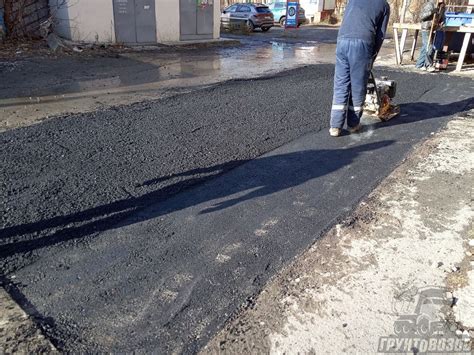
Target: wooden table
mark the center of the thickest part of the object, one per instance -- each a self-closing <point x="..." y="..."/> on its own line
<point x="468" y="31"/>
<point x="400" y="44"/>
<point x="405" y="27"/>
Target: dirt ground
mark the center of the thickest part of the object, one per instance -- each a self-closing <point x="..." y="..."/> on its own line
<point x="18" y="332"/>
<point x="346" y="293"/>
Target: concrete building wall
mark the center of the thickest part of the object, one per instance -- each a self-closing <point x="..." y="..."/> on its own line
<point x="61" y="19"/>
<point x="318" y="10"/>
<point x="329" y="5"/>
<point x="84" y="20"/>
<point x="167" y="20"/>
<point x="93" y="20"/>
<point x="217" y="20"/>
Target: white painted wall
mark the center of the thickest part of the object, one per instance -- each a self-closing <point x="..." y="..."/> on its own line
<point x="314" y="8"/>
<point x="217" y="19"/>
<point x="167" y="20"/>
<point x="93" y="20"/>
<point x="84" y="20"/>
<point x="311" y="7"/>
<point x="329" y="4"/>
<point x="61" y="16"/>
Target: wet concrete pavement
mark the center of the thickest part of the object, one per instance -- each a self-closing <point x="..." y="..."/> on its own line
<point x="83" y="83"/>
<point x="148" y="226"/>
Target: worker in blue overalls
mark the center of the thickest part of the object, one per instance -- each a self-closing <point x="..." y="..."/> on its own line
<point x="360" y="38"/>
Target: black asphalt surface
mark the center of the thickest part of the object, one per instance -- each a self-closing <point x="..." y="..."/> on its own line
<point x="147" y="227"/>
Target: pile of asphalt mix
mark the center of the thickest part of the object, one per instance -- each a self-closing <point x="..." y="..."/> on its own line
<point x="65" y="181"/>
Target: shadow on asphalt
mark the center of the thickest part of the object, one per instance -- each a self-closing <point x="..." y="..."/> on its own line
<point x="260" y="177"/>
<point x="420" y="111"/>
<point x="272" y="174"/>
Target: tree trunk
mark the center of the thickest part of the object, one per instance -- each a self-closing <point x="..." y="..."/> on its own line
<point x="13" y="17"/>
<point x="8" y="15"/>
<point x="404" y="11"/>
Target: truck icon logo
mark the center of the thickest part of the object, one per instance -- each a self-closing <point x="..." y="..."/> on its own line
<point x="420" y="327"/>
<point x="426" y="319"/>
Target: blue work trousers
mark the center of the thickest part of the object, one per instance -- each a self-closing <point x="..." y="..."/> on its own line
<point x="353" y="64"/>
<point x="426" y="56"/>
<point x="424" y="59"/>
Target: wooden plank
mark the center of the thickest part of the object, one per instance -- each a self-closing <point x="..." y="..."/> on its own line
<point x="408" y="26"/>
<point x="402" y="43"/>
<point x="450" y="29"/>
<point x="397" y="46"/>
<point x="462" y="55"/>
<point x="466" y="29"/>
<point x="413" y="46"/>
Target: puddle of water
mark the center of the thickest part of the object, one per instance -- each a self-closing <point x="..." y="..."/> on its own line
<point x="144" y="75"/>
<point x="185" y="68"/>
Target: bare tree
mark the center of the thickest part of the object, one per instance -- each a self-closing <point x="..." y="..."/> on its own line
<point x="13" y="15"/>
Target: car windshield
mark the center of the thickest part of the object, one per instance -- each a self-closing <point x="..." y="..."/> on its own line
<point x="262" y="9"/>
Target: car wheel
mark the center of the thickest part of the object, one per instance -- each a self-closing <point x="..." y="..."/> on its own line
<point x="265" y="29"/>
<point x="282" y="21"/>
<point x="250" y="26"/>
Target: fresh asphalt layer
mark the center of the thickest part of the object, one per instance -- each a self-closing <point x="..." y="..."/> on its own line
<point x="146" y="227"/>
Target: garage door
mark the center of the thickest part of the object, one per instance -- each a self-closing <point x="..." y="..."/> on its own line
<point x="196" y="19"/>
<point x="135" y="21"/>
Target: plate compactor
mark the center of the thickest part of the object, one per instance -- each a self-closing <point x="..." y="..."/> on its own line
<point x="378" y="101"/>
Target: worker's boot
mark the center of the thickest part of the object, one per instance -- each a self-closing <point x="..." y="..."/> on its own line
<point x="335" y="132"/>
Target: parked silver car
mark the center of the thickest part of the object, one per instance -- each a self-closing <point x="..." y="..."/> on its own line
<point x="250" y="15"/>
